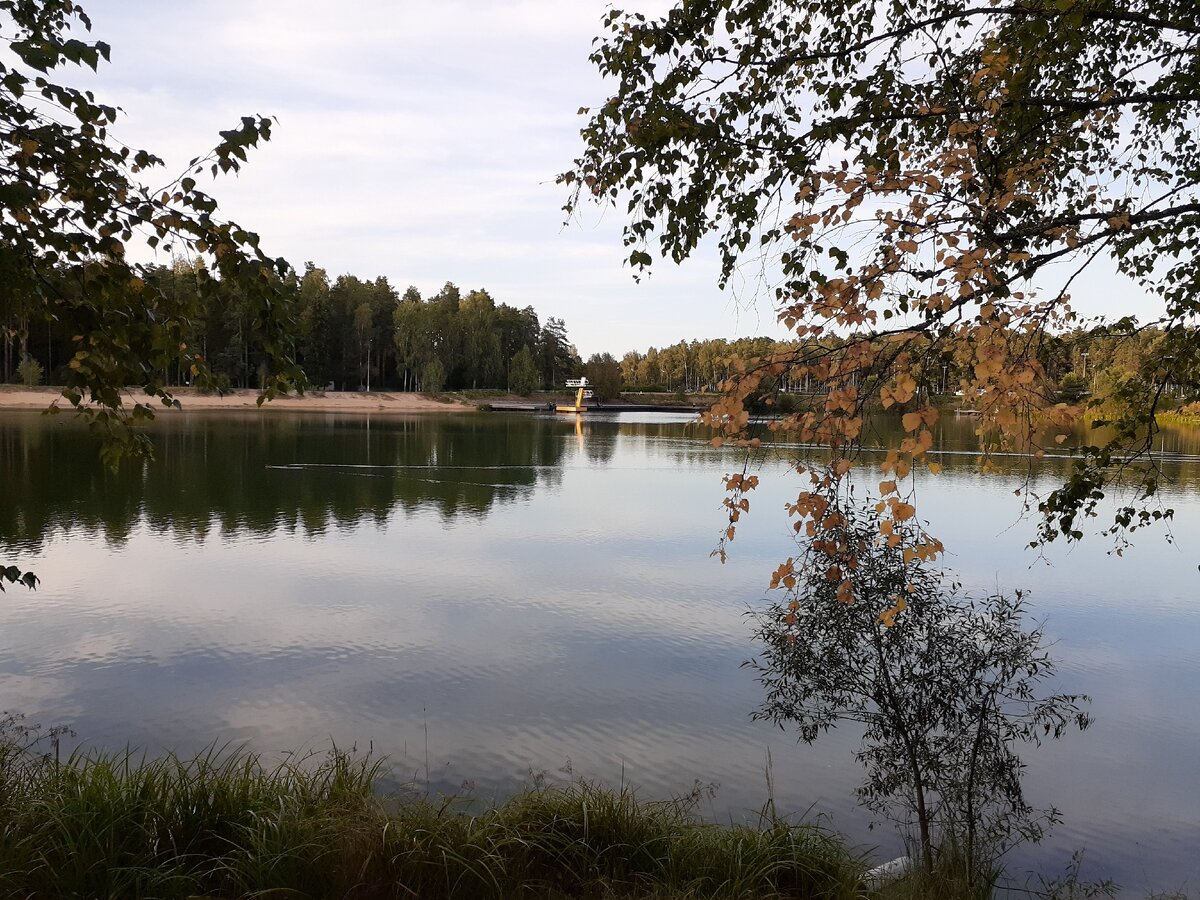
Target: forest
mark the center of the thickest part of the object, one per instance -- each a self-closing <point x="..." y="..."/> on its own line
<point x="1076" y="363"/>
<point x="352" y="333"/>
<point x="349" y="333"/>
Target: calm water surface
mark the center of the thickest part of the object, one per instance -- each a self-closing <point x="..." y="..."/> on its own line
<point x="486" y="598"/>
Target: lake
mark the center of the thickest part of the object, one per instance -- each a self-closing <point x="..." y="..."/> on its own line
<point x="495" y="600"/>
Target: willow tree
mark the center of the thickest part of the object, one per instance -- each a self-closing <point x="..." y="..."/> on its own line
<point x="78" y="212"/>
<point x="924" y="179"/>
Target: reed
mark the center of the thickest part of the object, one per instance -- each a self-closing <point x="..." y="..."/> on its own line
<point x="227" y="823"/>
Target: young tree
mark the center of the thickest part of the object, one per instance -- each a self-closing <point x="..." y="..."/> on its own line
<point x="523" y="374"/>
<point x="945" y="688"/>
<point x="433" y="376"/>
<point x="481" y="340"/>
<point x="912" y="173"/>
<point x="445" y="330"/>
<point x="72" y="201"/>
<point x="408" y="335"/>
<point x="316" y="326"/>
<point x="30" y="371"/>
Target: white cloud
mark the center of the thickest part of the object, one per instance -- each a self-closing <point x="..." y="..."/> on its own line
<point x="415" y="140"/>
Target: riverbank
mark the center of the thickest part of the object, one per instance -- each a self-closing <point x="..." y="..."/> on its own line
<point x="13" y="397"/>
<point x="226" y="825"/>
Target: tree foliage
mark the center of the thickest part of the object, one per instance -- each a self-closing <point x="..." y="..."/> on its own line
<point x="433" y="376"/>
<point x="945" y="688"/>
<point x="30" y="371"/>
<point x="921" y="178"/>
<point x="476" y="340"/>
<point x="604" y="375"/>
<point x="523" y="374"/>
<point x="74" y="203"/>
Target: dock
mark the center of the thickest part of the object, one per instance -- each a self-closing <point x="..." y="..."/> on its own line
<point x="549" y="406"/>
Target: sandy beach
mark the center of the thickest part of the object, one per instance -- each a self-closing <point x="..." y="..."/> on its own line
<point x="313" y="401"/>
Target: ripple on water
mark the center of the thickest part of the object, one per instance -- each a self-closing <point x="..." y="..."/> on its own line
<point x="518" y="596"/>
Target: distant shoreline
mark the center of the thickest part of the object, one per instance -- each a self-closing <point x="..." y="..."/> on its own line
<point x="21" y="398"/>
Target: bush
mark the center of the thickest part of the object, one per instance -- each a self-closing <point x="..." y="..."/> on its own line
<point x="645" y="389"/>
<point x="1072" y="388"/>
<point x="30" y="371"/>
<point x="788" y="403"/>
<point x="433" y="376"/>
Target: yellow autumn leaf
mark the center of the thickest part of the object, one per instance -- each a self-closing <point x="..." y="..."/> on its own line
<point x="888" y="617"/>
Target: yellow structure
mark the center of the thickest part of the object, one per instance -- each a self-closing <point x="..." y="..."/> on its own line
<point x="580" y="395"/>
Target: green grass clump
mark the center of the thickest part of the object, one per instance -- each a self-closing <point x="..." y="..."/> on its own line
<point x="226" y="824"/>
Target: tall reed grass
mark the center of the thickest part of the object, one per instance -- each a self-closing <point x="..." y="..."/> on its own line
<point x="228" y="824"/>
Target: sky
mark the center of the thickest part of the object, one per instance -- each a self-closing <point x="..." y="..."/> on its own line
<point x="421" y="141"/>
<point x="414" y="140"/>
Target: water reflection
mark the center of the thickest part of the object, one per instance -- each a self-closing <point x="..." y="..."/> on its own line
<point x="532" y="590"/>
<point x="244" y="474"/>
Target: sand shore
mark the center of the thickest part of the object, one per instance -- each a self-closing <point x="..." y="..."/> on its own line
<point x="313" y="401"/>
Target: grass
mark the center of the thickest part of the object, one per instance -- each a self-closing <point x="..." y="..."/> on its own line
<point x="227" y="824"/>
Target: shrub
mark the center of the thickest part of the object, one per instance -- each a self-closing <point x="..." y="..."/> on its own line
<point x="30" y="371"/>
<point x="1072" y="388"/>
<point x="433" y="376"/>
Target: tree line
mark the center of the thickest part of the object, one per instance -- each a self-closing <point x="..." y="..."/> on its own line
<point x="1076" y="363"/>
<point x="349" y="333"/>
<point x="353" y="333"/>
